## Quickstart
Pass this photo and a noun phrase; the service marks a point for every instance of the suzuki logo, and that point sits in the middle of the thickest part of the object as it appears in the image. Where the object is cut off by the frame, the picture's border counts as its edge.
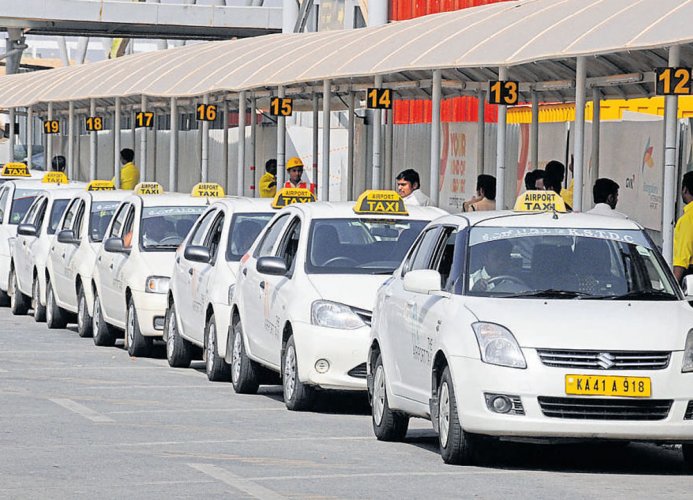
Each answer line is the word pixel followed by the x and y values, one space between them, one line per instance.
pixel 605 360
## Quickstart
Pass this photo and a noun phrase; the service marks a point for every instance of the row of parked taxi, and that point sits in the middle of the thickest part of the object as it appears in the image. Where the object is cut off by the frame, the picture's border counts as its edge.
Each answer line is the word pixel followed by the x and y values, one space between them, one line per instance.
pixel 533 323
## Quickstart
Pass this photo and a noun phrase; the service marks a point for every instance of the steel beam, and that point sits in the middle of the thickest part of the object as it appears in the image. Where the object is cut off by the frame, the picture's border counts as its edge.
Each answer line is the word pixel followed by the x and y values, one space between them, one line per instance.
pixel 670 181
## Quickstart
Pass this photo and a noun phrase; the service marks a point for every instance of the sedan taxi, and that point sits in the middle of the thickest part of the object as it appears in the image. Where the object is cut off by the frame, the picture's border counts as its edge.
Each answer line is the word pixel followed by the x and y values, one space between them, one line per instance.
pixel 305 291
pixel 31 247
pixel 134 264
pixel 73 252
pixel 541 325
pixel 204 279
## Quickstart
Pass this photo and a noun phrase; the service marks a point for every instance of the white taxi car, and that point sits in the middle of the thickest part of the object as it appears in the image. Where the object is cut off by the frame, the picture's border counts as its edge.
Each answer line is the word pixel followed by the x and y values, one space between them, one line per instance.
pixel 30 248
pixel 204 278
pixel 533 325
pixel 73 252
pixel 134 264
pixel 305 292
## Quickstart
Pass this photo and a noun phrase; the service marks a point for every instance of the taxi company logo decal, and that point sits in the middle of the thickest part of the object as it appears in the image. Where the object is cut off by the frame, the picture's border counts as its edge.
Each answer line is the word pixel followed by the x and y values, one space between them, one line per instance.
pixel 605 360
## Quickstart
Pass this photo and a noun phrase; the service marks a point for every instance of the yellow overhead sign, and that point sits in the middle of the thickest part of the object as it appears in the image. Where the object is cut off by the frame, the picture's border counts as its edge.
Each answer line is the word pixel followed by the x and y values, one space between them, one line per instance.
pixel 289 196
pixel 55 178
pixel 207 190
pixel 539 201
pixel 101 186
pixel 380 202
pixel 149 188
pixel 15 169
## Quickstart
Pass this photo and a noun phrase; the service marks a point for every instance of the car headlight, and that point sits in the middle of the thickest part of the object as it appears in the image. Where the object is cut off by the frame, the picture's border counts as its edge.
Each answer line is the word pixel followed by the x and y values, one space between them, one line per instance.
pixel 232 289
pixel 687 365
pixel 498 346
pixel 334 315
pixel 156 284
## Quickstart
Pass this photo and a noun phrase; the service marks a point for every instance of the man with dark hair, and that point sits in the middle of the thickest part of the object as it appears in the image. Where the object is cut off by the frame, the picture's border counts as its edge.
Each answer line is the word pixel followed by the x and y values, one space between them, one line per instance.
pixel 58 163
pixel 129 173
pixel 683 232
pixel 539 180
pixel 555 173
pixel 530 179
pixel 485 198
pixel 268 181
pixel 408 187
pixel 605 193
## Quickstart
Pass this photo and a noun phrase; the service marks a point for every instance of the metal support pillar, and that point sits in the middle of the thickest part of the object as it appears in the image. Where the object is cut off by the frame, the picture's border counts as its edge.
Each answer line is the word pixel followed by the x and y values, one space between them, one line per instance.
pixel 481 131
pixel 253 138
pixel 281 145
pixel 143 141
pixel 596 124
pixel 116 141
pixel 242 108
pixel 670 181
pixel 389 137
pixel 49 141
pixel 204 160
pixel 534 132
pixel 579 144
pixel 153 147
pixel 350 144
pixel 324 183
pixel 29 136
pixel 70 139
pixel 93 143
pixel 500 146
pixel 316 145
pixel 13 138
pixel 173 156
pixel 377 130
pixel 225 146
pixel 435 138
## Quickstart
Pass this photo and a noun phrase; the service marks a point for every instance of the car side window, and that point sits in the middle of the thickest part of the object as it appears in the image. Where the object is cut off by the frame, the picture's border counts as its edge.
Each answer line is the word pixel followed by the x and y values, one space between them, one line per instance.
pixel 127 227
pixel 214 238
pixel 40 214
pixel 270 237
pixel 70 214
pixel 4 195
pixel 118 221
pixel 421 254
pixel 289 245
pixel 200 231
pixel 31 214
pixel 79 219
pixel 442 262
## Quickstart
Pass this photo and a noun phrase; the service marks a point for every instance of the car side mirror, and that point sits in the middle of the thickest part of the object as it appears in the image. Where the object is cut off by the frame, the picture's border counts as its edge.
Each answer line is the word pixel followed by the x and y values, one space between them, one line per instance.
pixel 67 236
pixel 27 230
pixel 687 286
pixel 197 253
pixel 115 245
pixel 424 281
pixel 275 266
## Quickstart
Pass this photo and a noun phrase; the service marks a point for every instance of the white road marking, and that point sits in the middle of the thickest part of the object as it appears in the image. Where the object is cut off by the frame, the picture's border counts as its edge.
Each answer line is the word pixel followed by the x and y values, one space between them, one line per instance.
pixel 195 410
pixel 237 482
pixel 82 410
pixel 464 472
pixel 245 440
pixel 3 371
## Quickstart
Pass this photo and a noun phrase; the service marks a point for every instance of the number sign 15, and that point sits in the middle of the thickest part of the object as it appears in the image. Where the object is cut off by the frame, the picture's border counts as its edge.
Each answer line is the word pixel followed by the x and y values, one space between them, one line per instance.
pixel 281 106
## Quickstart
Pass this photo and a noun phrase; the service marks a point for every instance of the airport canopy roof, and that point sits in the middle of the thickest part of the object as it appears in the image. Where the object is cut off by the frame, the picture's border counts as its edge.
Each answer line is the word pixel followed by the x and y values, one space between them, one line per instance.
pixel 537 40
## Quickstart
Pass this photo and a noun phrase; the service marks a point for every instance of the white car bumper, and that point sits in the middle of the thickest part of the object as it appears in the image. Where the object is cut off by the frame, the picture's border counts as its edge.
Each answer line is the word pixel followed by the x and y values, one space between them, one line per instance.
pixel 344 350
pixel 473 379
pixel 151 309
pixel 5 272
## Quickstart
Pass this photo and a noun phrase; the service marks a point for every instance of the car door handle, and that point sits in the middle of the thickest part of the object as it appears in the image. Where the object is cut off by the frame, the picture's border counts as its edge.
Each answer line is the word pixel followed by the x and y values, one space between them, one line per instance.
pixel 190 271
pixel 111 266
pixel 52 249
pixel 410 303
pixel 245 271
pixel 178 260
pixel 99 259
pixel 63 256
pixel 262 285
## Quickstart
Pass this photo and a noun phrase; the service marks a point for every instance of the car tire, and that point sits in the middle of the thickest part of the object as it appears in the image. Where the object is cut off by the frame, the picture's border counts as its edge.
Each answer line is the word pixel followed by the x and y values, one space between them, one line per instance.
pixel 138 345
pixel 56 316
pixel 19 303
pixel 687 450
pixel 39 310
pixel 178 350
pixel 4 298
pixel 244 371
pixel 388 425
pixel 103 332
pixel 455 443
pixel 297 395
pixel 216 367
pixel 84 321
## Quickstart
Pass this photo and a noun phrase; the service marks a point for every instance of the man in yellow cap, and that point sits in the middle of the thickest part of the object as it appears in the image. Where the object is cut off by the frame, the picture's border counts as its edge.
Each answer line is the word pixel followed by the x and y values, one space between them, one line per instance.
pixel 294 167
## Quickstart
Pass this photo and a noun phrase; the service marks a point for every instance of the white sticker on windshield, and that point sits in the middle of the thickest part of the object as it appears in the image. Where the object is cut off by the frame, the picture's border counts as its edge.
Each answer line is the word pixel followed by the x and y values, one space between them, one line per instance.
pixel 643 251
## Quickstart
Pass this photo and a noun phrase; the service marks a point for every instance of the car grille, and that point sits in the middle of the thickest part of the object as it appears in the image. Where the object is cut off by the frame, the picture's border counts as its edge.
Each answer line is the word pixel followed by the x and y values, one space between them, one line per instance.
pixel 359 371
pixel 605 409
pixel 364 315
pixel 605 360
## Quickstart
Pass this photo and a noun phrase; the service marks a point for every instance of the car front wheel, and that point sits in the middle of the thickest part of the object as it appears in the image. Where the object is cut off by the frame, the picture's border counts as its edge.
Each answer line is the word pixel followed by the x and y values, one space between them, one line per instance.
pixel 18 301
pixel 388 425
pixel 55 315
pixel 455 443
pixel 297 395
pixel 178 350
pixel 103 332
pixel 39 310
pixel 84 321
pixel 216 367
pixel 138 344
pixel 244 371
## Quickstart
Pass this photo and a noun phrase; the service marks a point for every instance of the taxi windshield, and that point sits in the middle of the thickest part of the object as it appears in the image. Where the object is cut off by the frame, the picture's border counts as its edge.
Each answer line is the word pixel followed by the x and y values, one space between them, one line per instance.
pixel 242 233
pixel 164 228
pixel 23 198
pixel 57 211
pixel 359 245
pixel 566 264
pixel 101 214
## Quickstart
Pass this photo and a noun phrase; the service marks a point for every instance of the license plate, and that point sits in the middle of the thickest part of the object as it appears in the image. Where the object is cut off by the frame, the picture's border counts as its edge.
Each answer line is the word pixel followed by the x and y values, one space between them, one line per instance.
pixel 598 385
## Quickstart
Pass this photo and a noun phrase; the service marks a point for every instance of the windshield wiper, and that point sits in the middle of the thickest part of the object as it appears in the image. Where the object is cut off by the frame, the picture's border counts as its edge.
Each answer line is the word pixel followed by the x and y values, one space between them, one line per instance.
pixel 550 293
pixel 159 247
pixel 645 294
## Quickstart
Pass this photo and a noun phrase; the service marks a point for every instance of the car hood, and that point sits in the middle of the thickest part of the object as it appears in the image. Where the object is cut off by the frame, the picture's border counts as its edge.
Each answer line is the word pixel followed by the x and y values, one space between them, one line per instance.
pixel 159 263
pixel 350 289
pixel 589 324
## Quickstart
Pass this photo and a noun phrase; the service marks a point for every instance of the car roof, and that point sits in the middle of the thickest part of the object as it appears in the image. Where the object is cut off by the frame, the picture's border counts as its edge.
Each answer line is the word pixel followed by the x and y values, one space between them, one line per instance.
pixel 170 200
pixel 508 218
pixel 243 204
pixel 345 210
pixel 61 194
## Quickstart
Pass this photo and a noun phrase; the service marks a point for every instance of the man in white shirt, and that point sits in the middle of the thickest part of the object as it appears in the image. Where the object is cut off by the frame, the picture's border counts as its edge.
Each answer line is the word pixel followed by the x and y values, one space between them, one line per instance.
pixel 605 193
pixel 408 187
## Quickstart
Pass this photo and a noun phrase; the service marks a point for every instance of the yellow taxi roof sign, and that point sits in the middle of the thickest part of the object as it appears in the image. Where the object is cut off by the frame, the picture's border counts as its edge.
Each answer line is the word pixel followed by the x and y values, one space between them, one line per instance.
pixel 207 190
pixel 149 188
pixel 99 185
pixel 15 169
pixel 289 196
pixel 54 178
pixel 539 201
pixel 380 202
